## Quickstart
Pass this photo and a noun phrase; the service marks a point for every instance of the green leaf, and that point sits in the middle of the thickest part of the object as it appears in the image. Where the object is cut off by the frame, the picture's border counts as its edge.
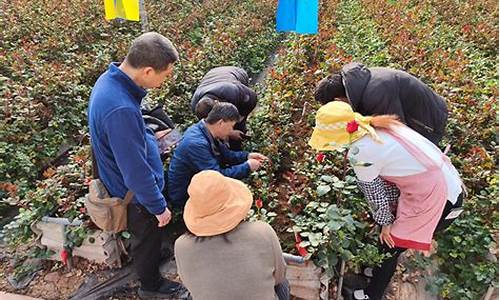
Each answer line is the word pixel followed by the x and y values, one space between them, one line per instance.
pixel 320 225
pixel 326 178
pixel 125 235
pixel 315 238
pixel 323 190
pixel 312 204
pixel 347 255
pixel 333 259
pixel 334 225
pixel 339 184
pixel 304 244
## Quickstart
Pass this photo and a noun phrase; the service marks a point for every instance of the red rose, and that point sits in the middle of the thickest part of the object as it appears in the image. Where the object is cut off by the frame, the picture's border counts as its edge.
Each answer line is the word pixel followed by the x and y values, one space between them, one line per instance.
pixel 82 210
pixel 352 126
pixel 320 157
pixel 258 203
pixel 64 256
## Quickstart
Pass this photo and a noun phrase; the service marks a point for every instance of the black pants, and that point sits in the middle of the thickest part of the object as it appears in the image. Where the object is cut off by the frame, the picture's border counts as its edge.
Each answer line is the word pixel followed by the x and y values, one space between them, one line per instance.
pixel 172 231
pixel 146 245
pixel 282 290
pixel 382 275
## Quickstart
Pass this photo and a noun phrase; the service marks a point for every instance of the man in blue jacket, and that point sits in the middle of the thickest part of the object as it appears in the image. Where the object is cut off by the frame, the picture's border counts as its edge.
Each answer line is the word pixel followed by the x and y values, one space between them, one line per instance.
pixel 127 155
pixel 200 149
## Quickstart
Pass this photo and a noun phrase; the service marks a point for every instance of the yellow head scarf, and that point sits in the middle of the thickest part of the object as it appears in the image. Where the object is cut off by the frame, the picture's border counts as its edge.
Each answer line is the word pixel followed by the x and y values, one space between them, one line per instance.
pixel 330 132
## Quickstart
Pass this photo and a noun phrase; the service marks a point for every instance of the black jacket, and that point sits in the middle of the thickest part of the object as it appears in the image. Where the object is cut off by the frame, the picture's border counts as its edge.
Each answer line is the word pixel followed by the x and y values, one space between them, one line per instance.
pixel 377 91
pixel 228 84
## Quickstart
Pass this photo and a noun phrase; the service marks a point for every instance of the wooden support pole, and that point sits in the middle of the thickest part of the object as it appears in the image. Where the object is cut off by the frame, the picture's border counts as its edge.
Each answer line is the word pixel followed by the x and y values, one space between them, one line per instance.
pixel 144 16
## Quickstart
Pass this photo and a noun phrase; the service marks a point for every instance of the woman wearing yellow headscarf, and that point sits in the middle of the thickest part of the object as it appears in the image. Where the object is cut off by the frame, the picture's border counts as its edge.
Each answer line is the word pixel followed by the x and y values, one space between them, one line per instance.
pixel 410 185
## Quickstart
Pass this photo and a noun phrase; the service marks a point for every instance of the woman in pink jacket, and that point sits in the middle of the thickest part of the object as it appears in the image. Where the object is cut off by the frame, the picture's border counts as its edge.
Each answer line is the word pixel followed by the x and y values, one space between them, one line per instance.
pixel 410 185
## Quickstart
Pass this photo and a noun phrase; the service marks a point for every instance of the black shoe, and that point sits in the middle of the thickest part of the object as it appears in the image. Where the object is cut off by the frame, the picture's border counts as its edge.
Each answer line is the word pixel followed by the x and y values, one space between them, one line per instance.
pixel 353 282
pixel 167 290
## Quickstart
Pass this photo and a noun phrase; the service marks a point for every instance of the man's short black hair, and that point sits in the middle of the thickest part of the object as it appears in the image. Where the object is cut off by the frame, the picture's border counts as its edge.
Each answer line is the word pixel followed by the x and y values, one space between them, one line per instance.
pixel 224 111
pixel 330 88
pixel 152 49
pixel 204 106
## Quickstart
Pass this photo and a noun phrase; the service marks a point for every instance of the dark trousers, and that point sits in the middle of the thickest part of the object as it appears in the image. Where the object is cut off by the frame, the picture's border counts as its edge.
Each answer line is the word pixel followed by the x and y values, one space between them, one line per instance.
pixel 282 290
pixel 146 245
pixel 382 275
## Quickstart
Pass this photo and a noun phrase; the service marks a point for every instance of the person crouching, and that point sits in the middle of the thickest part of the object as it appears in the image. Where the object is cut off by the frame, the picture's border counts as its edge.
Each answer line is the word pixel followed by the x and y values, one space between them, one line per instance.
pixel 222 256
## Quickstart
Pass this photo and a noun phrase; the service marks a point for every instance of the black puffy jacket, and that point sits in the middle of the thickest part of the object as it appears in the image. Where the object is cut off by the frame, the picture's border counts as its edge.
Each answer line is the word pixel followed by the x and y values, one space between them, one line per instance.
pixel 228 84
pixel 377 91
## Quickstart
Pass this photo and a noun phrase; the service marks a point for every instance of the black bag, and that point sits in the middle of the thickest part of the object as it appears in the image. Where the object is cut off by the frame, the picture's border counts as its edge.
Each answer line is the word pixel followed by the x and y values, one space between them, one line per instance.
pixel 164 128
pixel 157 119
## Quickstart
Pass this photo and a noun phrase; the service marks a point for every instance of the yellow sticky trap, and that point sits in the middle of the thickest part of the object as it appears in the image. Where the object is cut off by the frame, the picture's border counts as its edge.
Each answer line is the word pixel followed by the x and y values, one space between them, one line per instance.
pixel 124 9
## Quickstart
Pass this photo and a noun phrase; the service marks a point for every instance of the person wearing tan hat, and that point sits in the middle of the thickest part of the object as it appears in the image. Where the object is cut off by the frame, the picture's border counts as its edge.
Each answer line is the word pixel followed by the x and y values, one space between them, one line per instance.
pixel 411 187
pixel 222 256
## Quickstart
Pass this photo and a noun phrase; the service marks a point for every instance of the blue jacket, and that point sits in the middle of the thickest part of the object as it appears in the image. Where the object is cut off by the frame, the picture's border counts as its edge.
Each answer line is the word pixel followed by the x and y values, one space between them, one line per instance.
pixel 126 152
pixel 198 151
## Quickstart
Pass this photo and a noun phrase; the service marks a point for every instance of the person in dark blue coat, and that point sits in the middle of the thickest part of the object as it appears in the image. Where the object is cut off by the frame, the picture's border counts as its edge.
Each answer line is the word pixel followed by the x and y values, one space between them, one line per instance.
pixel 200 149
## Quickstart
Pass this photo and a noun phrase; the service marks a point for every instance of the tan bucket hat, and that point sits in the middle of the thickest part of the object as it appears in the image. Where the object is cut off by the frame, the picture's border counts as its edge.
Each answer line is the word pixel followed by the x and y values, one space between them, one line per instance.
pixel 216 204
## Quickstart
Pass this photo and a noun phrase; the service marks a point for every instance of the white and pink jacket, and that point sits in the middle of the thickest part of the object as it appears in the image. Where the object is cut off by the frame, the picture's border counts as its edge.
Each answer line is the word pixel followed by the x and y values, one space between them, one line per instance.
pixel 423 174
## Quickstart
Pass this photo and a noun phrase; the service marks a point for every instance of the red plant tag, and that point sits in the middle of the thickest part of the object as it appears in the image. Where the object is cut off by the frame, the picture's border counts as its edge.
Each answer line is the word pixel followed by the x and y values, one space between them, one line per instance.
pixel 302 251
pixel 64 256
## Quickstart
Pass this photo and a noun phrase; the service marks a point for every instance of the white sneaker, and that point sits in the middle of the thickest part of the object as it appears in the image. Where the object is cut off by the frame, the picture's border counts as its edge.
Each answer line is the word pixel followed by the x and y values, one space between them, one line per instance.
pixel 368 272
pixel 360 295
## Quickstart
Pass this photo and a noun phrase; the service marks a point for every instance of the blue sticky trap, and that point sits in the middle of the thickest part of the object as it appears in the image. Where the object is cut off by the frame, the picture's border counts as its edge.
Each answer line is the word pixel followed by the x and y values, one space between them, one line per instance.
pixel 307 16
pixel 300 16
pixel 286 15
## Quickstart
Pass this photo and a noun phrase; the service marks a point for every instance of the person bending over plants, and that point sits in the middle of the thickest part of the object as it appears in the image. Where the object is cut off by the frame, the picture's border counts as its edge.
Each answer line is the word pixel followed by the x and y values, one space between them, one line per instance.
pixel 226 84
pixel 412 188
pixel 380 91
